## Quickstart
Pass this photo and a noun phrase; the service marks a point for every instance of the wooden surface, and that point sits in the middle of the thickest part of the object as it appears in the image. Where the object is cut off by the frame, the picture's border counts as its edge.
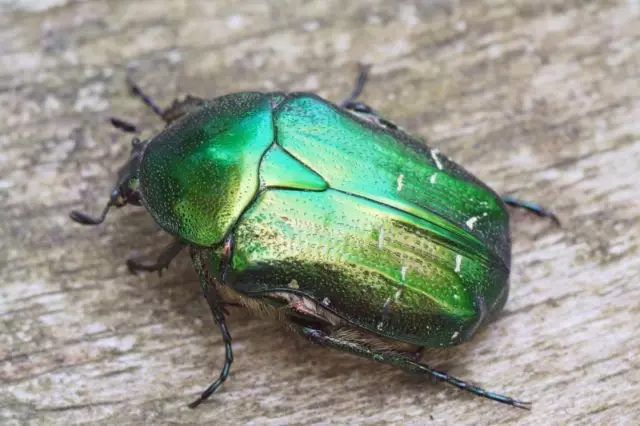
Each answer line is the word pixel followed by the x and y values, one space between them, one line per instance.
pixel 540 99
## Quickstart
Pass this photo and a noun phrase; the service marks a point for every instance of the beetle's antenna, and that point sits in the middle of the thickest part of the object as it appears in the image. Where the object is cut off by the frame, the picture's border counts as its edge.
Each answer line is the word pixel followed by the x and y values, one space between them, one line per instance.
pixel 209 288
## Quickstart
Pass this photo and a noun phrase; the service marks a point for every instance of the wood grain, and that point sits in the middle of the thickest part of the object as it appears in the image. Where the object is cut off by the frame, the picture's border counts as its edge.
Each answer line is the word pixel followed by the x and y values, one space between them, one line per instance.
pixel 540 99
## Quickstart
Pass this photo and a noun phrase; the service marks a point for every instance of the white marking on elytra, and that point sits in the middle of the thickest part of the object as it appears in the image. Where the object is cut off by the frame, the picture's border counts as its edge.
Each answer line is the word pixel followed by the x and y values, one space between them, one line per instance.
pixel 458 262
pixel 471 222
pixel 400 181
pixel 398 293
pixel 434 155
pixel 380 238
pixel 326 301
pixel 454 335
pixel 403 272
pixel 380 324
pixel 432 179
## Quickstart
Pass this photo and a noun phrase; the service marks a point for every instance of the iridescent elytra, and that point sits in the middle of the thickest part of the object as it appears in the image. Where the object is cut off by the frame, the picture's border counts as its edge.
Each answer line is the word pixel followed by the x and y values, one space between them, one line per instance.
pixel 327 217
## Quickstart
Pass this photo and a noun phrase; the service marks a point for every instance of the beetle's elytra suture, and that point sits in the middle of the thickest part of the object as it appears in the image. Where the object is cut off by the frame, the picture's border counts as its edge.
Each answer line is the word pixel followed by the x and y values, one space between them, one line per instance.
pixel 328 217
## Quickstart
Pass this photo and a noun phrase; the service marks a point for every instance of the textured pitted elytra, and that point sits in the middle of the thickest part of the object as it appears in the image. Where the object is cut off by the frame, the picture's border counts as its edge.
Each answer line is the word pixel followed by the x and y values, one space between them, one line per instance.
pixel 198 175
pixel 329 243
pixel 353 216
pixel 374 227
pixel 389 167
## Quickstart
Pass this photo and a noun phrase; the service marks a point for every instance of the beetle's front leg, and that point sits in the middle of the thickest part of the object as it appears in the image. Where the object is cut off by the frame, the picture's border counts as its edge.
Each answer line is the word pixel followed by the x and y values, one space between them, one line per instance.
pixel 402 361
pixel 530 206
pixel 136 265
pixel 177 109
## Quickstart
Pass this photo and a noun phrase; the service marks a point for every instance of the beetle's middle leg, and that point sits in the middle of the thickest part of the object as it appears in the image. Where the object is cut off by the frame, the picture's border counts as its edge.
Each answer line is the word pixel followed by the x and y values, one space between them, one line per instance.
pixel 362 109
pixel 216 304
pixel 400 360
pixel 350 102
pixel 164 259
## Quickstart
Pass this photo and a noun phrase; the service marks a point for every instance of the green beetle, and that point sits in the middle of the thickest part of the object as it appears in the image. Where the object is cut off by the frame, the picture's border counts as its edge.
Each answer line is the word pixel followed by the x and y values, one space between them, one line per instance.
pixel 328 217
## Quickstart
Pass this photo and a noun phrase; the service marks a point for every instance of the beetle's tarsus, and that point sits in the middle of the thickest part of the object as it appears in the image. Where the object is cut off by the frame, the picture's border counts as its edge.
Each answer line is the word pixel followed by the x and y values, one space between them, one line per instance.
pixel 165 257
pixel 225 369
pixel 148 101
pixel 134 265
pixel 85 219
pixel 406 363
pixel 532 207
pixel 123 125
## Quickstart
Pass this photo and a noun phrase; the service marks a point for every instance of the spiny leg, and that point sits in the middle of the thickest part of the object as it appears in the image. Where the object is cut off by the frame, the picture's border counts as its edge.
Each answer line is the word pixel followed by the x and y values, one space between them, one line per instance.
pixel 405 363
pixel 148 101
pixel 209 289
pixel 124 125
pixel 530 206
pixel 136 265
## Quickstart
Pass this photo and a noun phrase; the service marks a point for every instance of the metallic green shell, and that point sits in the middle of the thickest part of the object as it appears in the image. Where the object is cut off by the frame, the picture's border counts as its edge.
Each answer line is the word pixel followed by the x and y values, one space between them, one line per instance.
pixel 356 256
pixel 199 174
pixel 381 230
pixel 389 167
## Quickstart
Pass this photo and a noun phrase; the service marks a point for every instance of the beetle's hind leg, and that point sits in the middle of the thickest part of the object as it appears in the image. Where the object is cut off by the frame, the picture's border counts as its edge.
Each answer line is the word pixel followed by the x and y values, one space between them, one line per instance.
pixel 402 361
pixel 136 265
pixel 530 206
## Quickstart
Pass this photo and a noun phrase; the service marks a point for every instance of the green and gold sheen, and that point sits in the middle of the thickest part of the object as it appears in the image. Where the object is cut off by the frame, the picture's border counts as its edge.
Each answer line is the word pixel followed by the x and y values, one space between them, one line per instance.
pixel 384 232
pixel 199 174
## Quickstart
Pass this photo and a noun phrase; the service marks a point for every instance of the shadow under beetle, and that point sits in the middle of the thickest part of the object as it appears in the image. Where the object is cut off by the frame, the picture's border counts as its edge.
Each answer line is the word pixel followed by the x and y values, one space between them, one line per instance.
pixel 327 217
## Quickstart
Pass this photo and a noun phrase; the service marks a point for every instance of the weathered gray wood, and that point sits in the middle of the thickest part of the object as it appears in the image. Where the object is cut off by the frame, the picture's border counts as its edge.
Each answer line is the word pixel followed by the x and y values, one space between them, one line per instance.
pixel 541 99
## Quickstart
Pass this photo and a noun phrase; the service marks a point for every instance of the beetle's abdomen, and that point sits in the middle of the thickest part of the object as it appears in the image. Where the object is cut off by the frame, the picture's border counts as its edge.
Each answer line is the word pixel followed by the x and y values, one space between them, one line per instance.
pixel 199 174
pixel 392 169
pixel 376 266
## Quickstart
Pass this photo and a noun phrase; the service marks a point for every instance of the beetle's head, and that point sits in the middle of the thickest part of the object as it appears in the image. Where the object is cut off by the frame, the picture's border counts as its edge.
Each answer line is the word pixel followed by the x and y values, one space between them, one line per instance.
pixel 126 188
